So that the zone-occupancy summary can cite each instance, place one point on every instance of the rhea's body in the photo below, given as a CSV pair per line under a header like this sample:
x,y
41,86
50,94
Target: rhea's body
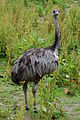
x,y
34,64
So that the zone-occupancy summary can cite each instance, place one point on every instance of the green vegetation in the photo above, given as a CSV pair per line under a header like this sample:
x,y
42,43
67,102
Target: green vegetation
x,y
28,23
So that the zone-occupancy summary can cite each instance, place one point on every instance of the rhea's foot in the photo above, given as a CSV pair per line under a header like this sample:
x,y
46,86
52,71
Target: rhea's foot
x,y
27,107
35,110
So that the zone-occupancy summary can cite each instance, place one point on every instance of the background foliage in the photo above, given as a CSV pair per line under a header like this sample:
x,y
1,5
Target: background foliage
x,y
28,23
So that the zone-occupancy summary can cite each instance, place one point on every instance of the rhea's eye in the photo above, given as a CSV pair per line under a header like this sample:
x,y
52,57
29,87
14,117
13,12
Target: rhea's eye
x,y
58,11
53,11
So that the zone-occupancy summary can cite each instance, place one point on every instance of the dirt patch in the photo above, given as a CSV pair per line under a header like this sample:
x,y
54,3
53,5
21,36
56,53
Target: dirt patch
x,y
27,117
71,106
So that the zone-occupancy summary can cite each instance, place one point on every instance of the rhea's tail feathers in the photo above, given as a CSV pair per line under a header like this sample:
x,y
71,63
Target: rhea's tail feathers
x,y
14,78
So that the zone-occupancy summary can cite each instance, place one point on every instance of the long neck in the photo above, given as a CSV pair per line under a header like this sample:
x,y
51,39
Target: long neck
x,y
56,23
56,45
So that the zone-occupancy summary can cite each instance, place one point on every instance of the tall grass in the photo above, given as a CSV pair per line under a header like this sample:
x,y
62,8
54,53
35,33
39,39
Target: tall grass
x,y
23,27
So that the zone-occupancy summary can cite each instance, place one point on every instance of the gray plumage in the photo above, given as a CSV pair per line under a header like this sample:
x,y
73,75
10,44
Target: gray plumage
x,y
32,65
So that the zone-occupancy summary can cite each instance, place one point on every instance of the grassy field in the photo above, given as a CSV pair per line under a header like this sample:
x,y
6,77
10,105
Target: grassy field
x,y
65,107
12,104
28,24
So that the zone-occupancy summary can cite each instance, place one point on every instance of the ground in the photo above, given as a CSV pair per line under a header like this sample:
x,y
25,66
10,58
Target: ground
x,y
12,100
70,104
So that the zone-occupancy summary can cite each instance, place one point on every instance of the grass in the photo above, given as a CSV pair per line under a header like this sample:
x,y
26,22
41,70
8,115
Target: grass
x,y
12,102
23,27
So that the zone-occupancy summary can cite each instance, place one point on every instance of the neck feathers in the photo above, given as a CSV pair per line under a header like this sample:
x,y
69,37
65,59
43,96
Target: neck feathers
x,y
56,45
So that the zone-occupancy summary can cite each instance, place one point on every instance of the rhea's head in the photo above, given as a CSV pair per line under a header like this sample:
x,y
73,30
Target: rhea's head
x,y
55,12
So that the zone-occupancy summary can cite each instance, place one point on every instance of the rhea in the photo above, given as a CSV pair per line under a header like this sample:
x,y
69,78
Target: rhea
x,y
33,64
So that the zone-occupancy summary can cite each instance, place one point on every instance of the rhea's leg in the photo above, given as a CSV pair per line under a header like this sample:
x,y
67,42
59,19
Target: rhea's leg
x,y
25,94
34,95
